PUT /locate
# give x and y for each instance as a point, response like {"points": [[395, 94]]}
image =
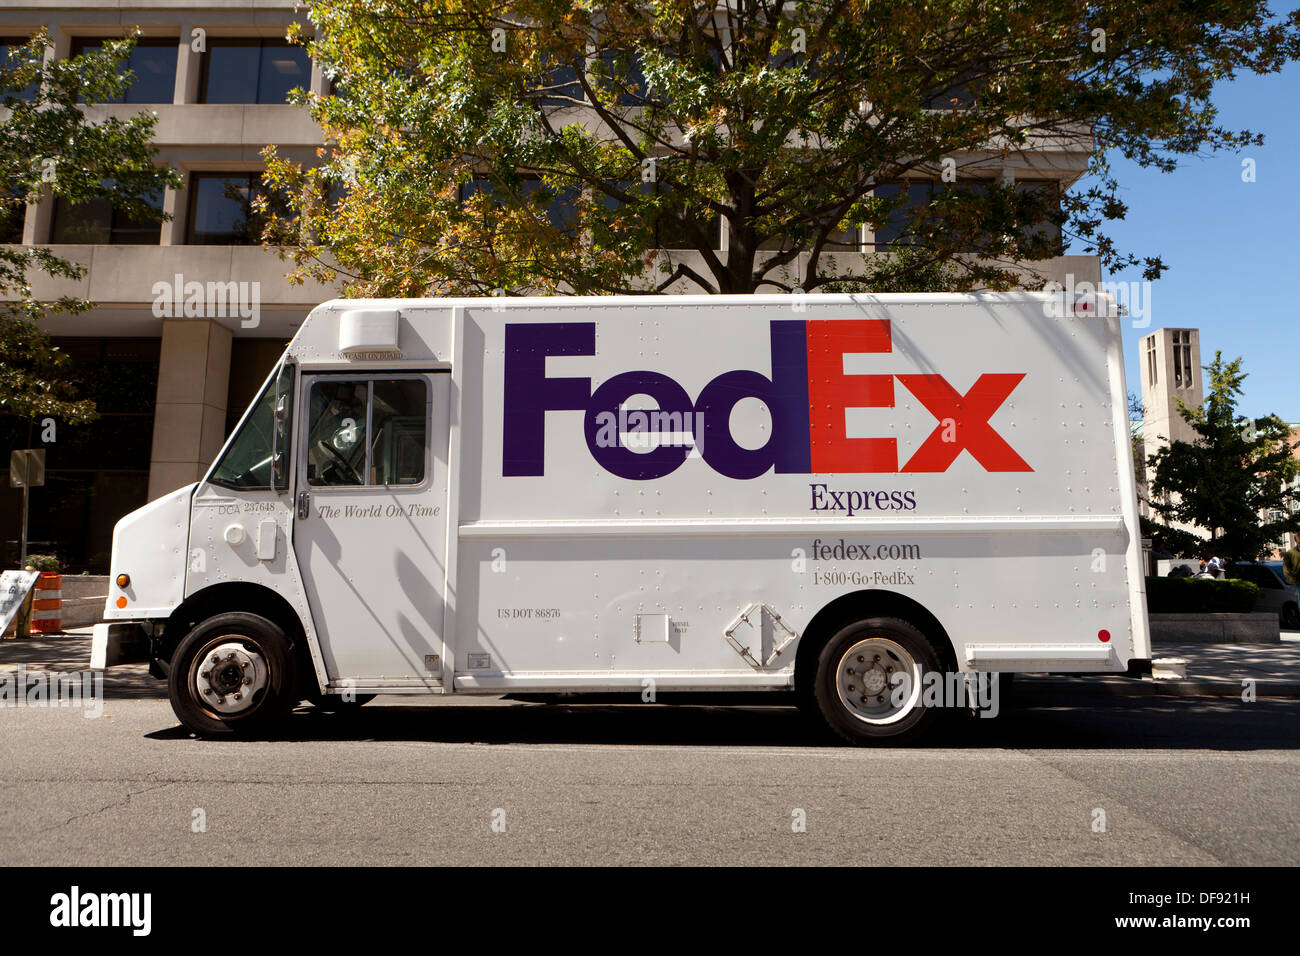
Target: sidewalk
{"points": [[1213, 670], [70, 652]]}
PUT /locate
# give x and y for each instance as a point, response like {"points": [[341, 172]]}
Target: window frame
{"points": [[80, 44], [18, 225], [259, 43], [17, 42], [116, 224], [369, 377], [256, 186]]}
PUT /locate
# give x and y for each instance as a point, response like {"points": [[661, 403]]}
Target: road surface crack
{"points": [[110, 806]]}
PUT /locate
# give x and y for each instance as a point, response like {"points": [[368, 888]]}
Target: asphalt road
{"points": [[1180, 781]]}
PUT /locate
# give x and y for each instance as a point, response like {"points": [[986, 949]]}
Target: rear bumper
{"points": [[116, 643]]}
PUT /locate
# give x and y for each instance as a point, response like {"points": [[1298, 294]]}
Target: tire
{"points": [[245, 695], [893, 713], [1291, 617]]}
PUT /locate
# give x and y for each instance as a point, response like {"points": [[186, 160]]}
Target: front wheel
{"points": [[869, 679], [1291, 617], [232, 676]]}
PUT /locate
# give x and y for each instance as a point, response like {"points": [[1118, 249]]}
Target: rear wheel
{"points": [[869, 679], [232, 676]]}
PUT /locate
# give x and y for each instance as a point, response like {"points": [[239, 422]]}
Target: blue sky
{"points": [[1230, 246]]}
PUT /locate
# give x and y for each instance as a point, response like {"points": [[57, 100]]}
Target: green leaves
{"points": [[783, 120], [1234, 476]]}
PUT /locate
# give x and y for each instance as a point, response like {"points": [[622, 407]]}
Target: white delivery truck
{"points": [[839, 495]]}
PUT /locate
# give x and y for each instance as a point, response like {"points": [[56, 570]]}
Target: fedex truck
{"points": [[835, 495]]}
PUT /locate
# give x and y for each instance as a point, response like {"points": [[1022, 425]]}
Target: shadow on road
{"points": [[1082, 723]]}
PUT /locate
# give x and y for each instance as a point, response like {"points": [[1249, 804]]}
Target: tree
{"points": [[52, 146], [556, 145], [1136, 418], [1234, 478]]}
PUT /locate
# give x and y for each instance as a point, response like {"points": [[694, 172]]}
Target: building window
{"points": [[558, 87], [1183, 359], [623, 74], [907, 224], [894, 230], [1049, 192], [13, 55], [252, 71], [251, 361], [837, 240], [670, 232], [1151, 361], [98, 223], [221, 209], [12, 213], [152, 64]]}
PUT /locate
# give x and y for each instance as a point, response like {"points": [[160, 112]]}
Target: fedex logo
{"points": [[807, 395]]}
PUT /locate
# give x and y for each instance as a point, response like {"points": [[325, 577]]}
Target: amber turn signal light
{"points": [[123, 580]]}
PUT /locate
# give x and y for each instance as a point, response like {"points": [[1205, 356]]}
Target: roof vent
{"points": [[368, 330]]}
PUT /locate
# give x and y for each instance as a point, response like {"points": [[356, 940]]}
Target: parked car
{"points": [[1274, 593]]}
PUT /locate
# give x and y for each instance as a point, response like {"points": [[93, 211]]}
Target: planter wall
{"points": [[83, 599], [1256, 628]]}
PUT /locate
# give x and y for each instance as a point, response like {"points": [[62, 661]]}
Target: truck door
{"points": [[370, 525]]}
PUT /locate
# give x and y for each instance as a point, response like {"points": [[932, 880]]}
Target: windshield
{"points": [[255, 460]]}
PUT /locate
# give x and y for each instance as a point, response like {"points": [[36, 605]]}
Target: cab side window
{"points": [[336, 448], [397, 448], [367, 433]]}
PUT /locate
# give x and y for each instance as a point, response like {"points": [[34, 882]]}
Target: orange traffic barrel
{"points": [[47, 604]]}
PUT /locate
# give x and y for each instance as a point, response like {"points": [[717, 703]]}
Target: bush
{"points": [[43, 562], [1200, 596]]}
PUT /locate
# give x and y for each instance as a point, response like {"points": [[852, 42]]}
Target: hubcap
{"points": [[868, 682], [230, 676]]}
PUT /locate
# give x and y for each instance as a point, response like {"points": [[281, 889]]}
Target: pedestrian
{"points": [[1291, 562], [1216, 565]]}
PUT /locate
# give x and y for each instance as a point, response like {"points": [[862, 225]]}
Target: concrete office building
{"points": [[169, 389]]}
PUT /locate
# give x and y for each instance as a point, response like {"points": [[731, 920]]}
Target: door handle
{"points": [[304, 502]]}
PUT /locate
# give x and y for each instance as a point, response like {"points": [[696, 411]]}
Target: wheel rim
{"points": [[229, 677], [867, 682]]}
